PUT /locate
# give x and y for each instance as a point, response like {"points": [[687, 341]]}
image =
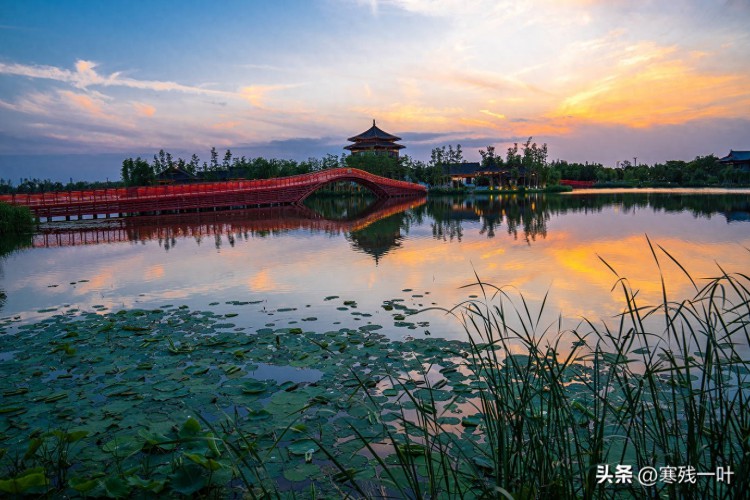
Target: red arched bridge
{"points": [[237, 193]]}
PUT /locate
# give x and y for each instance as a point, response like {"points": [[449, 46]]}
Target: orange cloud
{"points": [[85, 103], [413, 115], [226, 125], [487, 112], [256, 94], [649, 90], [144, 109]]}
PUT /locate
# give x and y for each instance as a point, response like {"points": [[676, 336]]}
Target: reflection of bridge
{"points": [[203, 224], [240, 193]]}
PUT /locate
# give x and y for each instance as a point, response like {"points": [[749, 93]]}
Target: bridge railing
{"points": [[203, 188]]}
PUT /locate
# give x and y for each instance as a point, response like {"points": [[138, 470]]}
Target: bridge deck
{"points": [[239, 193]]}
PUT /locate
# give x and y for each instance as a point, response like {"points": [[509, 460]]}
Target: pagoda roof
{"points": [[373, 133], [373, 145], [736, 156]]}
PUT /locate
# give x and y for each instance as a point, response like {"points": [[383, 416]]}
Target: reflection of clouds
{"points": [[154, 272], [300, 267], [262, 282], [633, 260], [96, 283]]}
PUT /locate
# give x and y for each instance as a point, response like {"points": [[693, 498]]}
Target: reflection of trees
{"points": [[380, 237], [524, 213], [732, 206], [9, 243], [350, 216], [340, 207], [529, 214]]}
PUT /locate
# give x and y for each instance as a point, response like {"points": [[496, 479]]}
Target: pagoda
{"points": [[376, 141]]}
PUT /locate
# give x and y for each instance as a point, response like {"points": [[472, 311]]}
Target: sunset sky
{"points": [[596, 80]]}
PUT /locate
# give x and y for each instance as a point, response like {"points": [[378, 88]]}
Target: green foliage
{"points": [[15, 220], [138, 172], [378, 164], [518, 410], [702, 171], [548, 415]]}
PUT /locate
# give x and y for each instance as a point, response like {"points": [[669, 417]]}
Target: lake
{"points": [[289, 261], [307, 349]]}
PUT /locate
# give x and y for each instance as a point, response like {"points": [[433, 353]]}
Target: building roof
{"points": [[373, 145], [174, 173], [471, 168], [736, 156], [462, 168], [373, 133]]}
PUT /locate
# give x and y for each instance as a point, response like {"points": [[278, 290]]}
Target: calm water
{"points": [[297, 266]]}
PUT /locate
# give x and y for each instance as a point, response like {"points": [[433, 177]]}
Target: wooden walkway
{"points": [[191, 197]]}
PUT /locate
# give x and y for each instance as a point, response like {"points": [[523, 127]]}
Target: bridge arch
{"points": [[375, 188], [382, 187]]}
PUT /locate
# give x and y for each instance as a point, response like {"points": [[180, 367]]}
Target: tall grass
{"points": [[666, 386], [15, 220]]}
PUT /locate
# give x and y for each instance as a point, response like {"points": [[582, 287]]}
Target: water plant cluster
{"points": [[15, 220], [174, 401]]}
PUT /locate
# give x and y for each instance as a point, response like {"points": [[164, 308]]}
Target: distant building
{"points": [[229, 174], [739, 160], [374, 140], [174, 175], [467, 173]]}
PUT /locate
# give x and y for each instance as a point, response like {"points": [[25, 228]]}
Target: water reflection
{"points": [[294, 257], [377, 227], [330, 216], [528, 216]]}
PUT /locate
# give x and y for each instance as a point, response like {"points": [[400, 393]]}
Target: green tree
{"points": [[214, 166], [227, 162], [137, 172]]}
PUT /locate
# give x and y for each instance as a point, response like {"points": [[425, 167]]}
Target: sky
{"points": [[85, 84]]}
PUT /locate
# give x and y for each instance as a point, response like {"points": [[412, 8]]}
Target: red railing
{"points": [[577, 184], [61, 198]]}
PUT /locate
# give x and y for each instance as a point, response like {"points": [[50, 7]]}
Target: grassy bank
{"points": [[660, 185], [518, 190], [164, 402], [15, 220]]}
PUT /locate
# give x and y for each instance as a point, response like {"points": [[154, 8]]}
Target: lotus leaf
{"points": [[254, 387], [301, 447]]}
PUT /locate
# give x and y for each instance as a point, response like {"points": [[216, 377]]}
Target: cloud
{"points": [[89, 104], [144, 109], [256, 94], [227, 125], [487, 112], [85, 76], [651, 87]]}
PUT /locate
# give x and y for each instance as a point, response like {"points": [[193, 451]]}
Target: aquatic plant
{"points": [[169, 401], [15, 220], [551, 420]]}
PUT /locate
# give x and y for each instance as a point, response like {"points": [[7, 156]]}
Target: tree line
{"points": [[522, 164]]}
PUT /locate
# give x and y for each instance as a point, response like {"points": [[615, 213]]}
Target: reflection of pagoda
{"points": [[375, 140]]}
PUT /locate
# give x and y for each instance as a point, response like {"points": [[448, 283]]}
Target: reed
{"points": [[15, 220], [666, 386]]}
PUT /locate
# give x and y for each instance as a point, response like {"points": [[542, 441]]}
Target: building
{"points": [[739, 160], [374, 140], [174, 175], [468, 173]]}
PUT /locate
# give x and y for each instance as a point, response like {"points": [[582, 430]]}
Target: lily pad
{"points": [[301, 447], [254, 387]]}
